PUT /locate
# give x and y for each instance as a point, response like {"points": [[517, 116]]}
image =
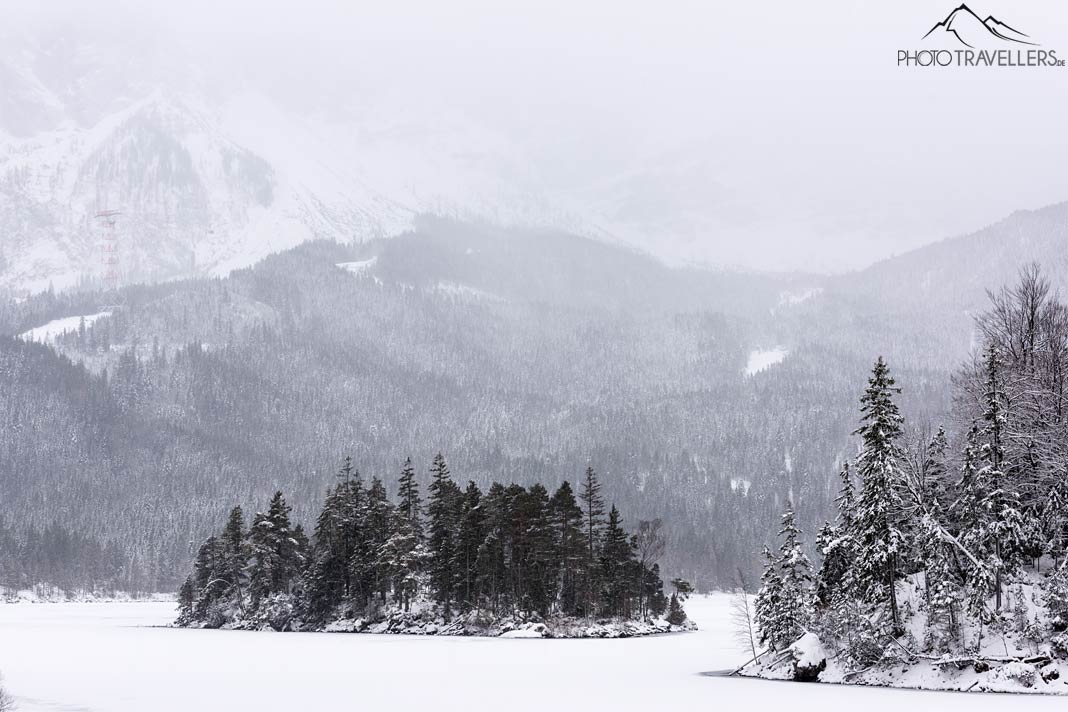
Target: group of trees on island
{"points": [[970, 512], [511, 550]]}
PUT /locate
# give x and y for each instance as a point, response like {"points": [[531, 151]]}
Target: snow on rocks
{"points": [[810, 659]]}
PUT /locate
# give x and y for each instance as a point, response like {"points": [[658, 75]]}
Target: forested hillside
{"points": [[523, 356]]}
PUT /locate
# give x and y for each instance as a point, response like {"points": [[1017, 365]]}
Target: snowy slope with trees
{"points": [[947, 566]]}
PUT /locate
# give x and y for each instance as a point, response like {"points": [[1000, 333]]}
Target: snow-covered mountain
{"points": [[206, 188], [207, 179]]}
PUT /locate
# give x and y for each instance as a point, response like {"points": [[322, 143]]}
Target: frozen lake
{"points": [[108, 657]]}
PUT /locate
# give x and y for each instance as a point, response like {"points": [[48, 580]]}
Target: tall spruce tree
{"points": [[469, 538], [593, 516], [442, 511], [879, 536], [234, 556], [1005, 531], [275, 550], [796, 580], [567, 521], [767, 607], [410, 504], [617, 564]]}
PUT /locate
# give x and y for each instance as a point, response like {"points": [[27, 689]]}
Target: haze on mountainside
{"points": [[227, 131]]}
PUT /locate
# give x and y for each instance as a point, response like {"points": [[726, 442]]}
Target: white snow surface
{"points": [[358, 267], [48, 332], [119, 657], [763, 359]]}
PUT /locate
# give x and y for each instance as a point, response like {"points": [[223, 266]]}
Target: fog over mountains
{"points": [[333, 245], [224, 132]]}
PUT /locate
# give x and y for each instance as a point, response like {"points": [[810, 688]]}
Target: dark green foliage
{"points": [[276, 551], [676, 615], [510, 551]]}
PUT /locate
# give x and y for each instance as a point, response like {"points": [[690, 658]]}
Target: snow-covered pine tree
{"points": [[378, 519], [795, 574], [209, 583], [942, 582], [880, 539], [274, 550], [971, 522], [410, 504], [836, 545], [1006, 527], [767, 608]]}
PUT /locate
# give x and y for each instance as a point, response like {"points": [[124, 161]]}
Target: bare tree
{"points": [[744, 630], [651, 544]]}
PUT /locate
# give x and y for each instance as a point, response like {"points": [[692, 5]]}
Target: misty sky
{"points": [[772, 135]]}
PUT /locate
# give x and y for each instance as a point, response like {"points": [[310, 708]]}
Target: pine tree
{"points": [[402, 558], [942, 583], [879, 536], [234, 556], [836, 544], [617, 559], [275, 551], [442, 510], [209, 584], [469, 538], [971, 520], [493, 570], [328, 573], [593, 515], [768, 604], [676, 615], [1005, 533], [186, 599], [410, 505], [795, 576], [570, 552], [377, 523]]}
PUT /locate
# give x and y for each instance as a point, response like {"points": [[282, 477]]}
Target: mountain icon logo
{"points": [[970, 30]]}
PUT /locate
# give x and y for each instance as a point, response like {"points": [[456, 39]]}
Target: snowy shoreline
{"points": [[474, 624], [736, 675], [51, 594]]}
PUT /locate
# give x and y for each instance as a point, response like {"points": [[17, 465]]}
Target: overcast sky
{"points": [[789, 120]]}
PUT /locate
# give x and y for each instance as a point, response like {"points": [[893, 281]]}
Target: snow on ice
{"points": [[120, 657]]}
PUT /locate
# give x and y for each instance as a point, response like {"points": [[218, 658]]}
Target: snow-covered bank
{"points": [[279, 614], [43, 593], [1020, 651], [113, 657]]}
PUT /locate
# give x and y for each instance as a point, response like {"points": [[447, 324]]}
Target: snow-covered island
{"points": [[946, 567], [514, 562]]}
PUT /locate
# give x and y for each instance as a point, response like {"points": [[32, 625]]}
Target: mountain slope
{"points": [[522, 355]]}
